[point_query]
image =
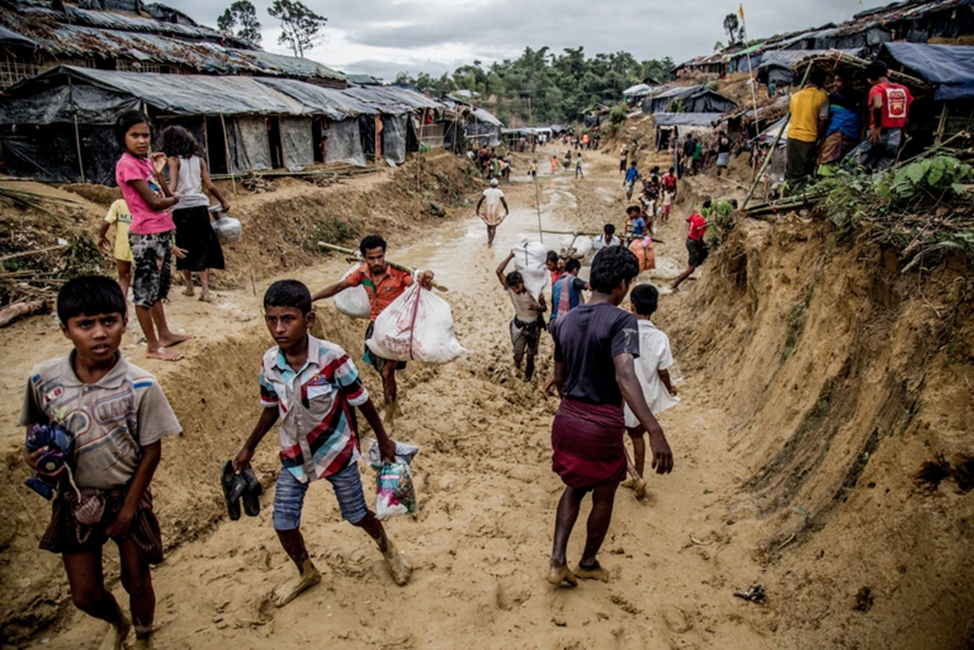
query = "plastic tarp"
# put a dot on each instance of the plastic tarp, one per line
(686, 119)
(788, 58)
(638, 90)
(696, 99)
(485, 116)
(394, 139)
(249, 147)
(330, 102)
(49, 153)
(345, 143)
(948, 68)
(12, 39)
(61, 104)
(296, 140)
(177, 94)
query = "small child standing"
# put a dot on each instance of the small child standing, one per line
(119, 216)
(312, 386)
(117, 415)
(635, 222)
(655, 357)
(528, 319)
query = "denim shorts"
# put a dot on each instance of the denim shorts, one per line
(289, 497)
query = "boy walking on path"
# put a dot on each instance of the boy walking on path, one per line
(655, 357)
(528, 319)
(595, 345)
(696, 246)
(117, 415)
(312, 386)
(632, 175)
(383, 284)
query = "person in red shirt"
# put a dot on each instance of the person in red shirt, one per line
(695, 245)
(889, 110)
(383, 284)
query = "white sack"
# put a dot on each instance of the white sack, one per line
(529, 259)
(353, 301)
(578, 246)
(416, 326)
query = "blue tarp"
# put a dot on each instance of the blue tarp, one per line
(948, 68)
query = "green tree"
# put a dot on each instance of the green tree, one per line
(243, 14)
(300, 26)
(730, 26)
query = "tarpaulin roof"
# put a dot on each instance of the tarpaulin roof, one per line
(391, 100)
(9, 38)
(788, 58)
(177, 94)
(332, 103)
(637, 91)
(485, 116)
(686, 119)
(948, 68)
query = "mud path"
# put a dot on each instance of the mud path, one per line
(481, 540)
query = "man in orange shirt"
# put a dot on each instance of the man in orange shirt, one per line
(383, 284)
(809, 118)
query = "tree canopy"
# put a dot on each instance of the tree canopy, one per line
(300, 26)
(542, 87)
(240, 21)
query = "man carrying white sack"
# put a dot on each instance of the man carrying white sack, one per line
(383, 284)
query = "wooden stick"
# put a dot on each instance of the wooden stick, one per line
(18, 310)
(537, 195)
(33, 252)
(226, 146)
(400, 267)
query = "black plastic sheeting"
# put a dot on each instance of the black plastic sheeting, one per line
(696, 99)
(948, 68)
(49, 153)
(333, 104)
(296, 141)
(345, 143)
(249, 147)
(394, 139)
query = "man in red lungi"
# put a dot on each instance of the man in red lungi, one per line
(595, 345)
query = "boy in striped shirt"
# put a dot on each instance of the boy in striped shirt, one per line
(312, 386)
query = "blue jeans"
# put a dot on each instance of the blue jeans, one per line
(881, 155)
(289, 497)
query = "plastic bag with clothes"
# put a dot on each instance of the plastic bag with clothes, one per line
(395, 493)
(353, 301)
(417, 326)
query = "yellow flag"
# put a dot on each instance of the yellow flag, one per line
(740, 9)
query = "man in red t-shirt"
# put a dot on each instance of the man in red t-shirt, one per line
(889, 110)
(696, 246)
(383, 284)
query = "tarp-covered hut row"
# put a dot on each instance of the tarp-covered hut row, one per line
(57, 126)
(695, 99)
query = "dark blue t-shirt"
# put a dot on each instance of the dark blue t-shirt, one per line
(631, 175)
(638, 225)
(586, 341)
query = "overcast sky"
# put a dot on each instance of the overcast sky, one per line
(384, 37)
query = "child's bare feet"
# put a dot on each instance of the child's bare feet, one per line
(163, 354)
(173, 339)
(142, 644)
(592, 572)
(398, 566)
(117, 631)
(206, 298)
(309, 577)
(562, 577)
(188, 291)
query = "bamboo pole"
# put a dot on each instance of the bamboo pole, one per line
(942, 125)
(537, 196)
(354, 253)
(77, 135)
(226, 147)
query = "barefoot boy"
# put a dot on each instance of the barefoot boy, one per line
(595, 345)
(117, 414)
(655, 357)
(312, 386)
(119, 216)
(528, 320)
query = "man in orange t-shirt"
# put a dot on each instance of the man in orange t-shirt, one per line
(383, 284)
(889, 110)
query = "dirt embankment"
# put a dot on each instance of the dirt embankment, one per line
(847, 389)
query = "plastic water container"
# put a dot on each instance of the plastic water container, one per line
(227, 229)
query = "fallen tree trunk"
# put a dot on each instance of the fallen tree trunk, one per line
(18, 310)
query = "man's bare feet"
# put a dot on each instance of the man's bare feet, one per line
(398, 566)
(206, 298)
(188, 291)
(173, 339)
(117, 631)
(640, 488)
(145, 641)
(562, 576)
(163, 354)
(593, 572)
(309, 577)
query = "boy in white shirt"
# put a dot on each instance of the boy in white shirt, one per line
(655, 357)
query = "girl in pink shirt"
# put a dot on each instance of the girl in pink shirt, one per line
(139, 177)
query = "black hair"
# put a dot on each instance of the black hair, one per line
(644, 298)
(552, 256)
(612, 266)
(672, 169)
(633, 163)
(571, 264)
(126, 121)
(707, 204)
(609, 229)
(89, 295)
(288, 293)
(876, 69)
(513, 279)
(632, 208)
(177, 141)
(817, 77)
(372, 241)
